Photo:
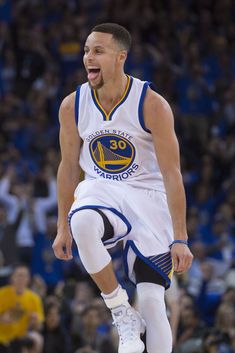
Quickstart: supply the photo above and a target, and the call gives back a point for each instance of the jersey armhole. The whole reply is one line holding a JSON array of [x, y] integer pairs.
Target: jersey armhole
[[76, 107], [141, 103]]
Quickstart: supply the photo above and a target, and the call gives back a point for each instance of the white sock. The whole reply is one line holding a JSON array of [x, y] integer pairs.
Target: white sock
[[112, 294], [153, 310], [116, 298]]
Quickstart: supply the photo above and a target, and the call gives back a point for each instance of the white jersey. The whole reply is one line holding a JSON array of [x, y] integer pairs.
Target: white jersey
[[117, 146]]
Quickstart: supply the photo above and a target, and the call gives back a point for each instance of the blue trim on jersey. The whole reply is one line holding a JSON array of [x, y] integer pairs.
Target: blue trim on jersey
[[114, 240], [141, 103], [97, 105], [108, 116], [131, 244], [77, 98], [123, 100]]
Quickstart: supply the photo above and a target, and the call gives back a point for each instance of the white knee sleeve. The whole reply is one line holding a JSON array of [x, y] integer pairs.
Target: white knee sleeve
[[153, 310], [88, 228]]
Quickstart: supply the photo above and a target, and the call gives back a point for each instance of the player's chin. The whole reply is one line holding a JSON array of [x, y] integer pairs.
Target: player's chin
[[96, 84]]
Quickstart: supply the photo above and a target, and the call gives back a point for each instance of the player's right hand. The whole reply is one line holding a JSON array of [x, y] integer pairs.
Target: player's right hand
[[62, 246]]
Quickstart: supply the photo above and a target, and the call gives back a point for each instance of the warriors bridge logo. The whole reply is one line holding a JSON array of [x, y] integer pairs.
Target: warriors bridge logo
[[113, 154]]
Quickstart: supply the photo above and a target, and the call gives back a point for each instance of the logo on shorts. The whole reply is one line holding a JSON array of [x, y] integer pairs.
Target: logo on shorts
[[112, 153]]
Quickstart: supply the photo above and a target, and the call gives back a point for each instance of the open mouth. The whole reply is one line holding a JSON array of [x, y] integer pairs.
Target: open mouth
[[93, 73]]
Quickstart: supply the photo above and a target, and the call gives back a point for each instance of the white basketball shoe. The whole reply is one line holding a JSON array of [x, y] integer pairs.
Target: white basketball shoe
[[130, 326]]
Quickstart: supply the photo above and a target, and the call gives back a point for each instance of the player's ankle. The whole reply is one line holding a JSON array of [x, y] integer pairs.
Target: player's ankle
[[116, 298]]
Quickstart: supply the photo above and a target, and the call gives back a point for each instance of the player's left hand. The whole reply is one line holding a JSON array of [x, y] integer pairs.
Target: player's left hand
[[182, 257]]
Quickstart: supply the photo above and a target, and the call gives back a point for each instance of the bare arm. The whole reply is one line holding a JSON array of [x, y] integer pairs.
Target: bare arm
[[159, 120], [68, 175]]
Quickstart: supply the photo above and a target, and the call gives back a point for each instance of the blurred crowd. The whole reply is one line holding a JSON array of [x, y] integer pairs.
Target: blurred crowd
[[187, 49]]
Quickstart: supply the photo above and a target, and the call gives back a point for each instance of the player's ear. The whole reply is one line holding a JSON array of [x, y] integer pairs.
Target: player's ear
[[123, 56]]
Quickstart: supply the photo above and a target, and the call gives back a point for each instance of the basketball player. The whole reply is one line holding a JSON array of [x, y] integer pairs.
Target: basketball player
[[121, 133]]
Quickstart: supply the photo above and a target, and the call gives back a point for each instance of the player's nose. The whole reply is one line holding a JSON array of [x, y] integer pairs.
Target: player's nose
[[89, 57]]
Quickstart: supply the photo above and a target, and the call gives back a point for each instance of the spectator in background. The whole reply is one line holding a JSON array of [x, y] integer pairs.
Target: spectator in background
[[38, 286], [225, 321], [190, 324], [195, 273], [229, 296], [186, 300], [90, 335], [21, 310], [17, 196], [25, 231], [5, 11], [32, 343], [8, 236], [220, 243], [86, 349], [44, 193], [83, 296], [55, 338], [44, 262], [211, 290], [215, 342], [7, 199], [230, 277], [27, 207], [5, 270]]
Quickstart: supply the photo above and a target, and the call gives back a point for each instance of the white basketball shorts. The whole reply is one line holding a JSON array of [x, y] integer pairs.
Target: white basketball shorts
[[140, 217]]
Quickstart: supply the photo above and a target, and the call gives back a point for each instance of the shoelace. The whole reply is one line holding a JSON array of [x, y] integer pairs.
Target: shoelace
[[126, 326]]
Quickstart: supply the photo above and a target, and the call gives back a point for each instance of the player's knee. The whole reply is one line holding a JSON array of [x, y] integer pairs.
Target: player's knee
[[86, 226]]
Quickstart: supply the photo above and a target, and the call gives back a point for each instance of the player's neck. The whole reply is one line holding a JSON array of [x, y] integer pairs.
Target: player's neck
[[112, 91]]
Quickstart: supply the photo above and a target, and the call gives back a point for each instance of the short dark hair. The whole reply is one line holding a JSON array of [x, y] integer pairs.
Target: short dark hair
[[18, 265], [120, 33]]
